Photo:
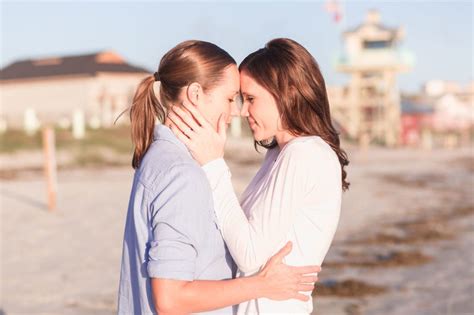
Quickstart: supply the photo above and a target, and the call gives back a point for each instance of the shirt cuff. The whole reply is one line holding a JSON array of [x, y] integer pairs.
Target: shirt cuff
[[214, 170], [171, 269]]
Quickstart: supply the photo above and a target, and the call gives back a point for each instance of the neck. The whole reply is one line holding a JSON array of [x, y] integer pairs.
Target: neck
[[167, 122], [283, 138]]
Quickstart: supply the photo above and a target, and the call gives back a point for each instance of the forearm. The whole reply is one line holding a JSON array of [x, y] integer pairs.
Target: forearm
[[251, 243], [209, 295], [243, 239], [206, 295]]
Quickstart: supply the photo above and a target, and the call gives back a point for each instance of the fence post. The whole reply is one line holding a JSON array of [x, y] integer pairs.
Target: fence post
[[50, 166]]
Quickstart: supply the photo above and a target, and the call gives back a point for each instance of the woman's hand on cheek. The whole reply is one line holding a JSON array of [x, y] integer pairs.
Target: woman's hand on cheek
[[204, 143]]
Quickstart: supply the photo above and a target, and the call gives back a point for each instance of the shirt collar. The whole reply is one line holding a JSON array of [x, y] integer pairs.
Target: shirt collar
[[162, 132]]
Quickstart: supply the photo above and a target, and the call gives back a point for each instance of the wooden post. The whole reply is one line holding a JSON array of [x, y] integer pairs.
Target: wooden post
[[50, 166]]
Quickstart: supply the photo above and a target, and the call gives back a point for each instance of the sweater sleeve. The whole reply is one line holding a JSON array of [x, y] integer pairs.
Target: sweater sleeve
[[250, 241]]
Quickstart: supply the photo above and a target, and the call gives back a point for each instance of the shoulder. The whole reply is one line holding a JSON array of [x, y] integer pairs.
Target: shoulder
[[181, 188], [165, 163], [310, 150], [314, 163], [310, 159]]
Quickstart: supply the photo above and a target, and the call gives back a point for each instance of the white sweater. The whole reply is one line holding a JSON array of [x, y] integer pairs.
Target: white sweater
[[295, 196]]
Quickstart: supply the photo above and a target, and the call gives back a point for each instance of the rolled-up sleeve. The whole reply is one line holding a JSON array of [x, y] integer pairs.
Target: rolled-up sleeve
[[178, 222]]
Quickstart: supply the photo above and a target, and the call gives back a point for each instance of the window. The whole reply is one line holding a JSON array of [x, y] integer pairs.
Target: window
[[376, 44]]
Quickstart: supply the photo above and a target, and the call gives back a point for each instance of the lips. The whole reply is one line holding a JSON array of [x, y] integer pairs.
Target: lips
[[252, 124]]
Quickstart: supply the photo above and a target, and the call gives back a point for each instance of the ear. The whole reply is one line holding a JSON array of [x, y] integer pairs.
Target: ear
[[194, 93]]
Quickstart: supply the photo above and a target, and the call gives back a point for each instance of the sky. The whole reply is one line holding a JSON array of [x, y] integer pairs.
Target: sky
[[439, 33]]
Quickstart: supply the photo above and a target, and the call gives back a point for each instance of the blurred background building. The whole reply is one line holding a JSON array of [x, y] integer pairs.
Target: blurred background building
[[441, 114], [52, 90]]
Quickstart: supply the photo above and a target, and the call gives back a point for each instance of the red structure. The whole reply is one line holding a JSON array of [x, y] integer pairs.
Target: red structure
[[415, 117]]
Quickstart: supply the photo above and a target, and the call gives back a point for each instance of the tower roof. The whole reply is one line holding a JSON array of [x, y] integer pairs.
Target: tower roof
[[372, 22]]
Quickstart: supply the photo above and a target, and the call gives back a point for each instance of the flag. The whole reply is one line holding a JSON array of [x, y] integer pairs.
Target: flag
[[335, 9]]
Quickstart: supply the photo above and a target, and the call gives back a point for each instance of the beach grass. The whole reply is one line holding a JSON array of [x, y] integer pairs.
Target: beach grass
[[116, 139]]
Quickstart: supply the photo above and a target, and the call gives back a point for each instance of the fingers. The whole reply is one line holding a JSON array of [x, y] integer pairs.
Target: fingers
[[186, 117], [180, 135], [183, 127], [301, 297], [283, 252], [196, 113], [309, 279], [305, 287], [307, 269]]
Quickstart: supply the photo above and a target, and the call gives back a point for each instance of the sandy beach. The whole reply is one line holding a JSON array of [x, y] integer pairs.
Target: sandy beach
[[403, 246]]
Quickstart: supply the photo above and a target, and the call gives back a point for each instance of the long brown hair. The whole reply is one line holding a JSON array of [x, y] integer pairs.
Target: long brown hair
[[188, 62], [291, 74]]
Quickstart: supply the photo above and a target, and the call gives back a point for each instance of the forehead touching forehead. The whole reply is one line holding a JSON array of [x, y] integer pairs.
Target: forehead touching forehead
[[232, 76], [229, 82]]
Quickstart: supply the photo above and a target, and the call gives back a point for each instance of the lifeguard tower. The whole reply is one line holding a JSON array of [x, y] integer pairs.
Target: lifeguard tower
[[370, 107]]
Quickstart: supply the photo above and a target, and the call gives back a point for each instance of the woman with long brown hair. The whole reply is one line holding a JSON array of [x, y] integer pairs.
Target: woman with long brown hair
[[174, 259], [296, 194]]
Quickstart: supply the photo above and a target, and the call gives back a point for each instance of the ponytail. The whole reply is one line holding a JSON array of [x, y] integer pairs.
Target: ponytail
[[143, 114]]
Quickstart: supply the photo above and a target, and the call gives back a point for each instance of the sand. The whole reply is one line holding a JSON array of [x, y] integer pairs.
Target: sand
[[385, 258]]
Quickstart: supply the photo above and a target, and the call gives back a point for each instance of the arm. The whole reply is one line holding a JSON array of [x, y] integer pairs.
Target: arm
[[184, 297], [252, 242], [276, 281]]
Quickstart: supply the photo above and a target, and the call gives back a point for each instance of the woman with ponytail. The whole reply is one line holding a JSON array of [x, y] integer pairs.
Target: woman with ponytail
[[296, 194], [174, 259]]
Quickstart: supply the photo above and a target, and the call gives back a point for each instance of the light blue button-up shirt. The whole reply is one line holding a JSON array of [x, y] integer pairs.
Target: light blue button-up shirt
[[170, 232]]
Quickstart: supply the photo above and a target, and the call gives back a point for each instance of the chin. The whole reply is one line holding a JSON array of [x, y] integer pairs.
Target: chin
[[257, 137], [260, 135], [260, 138]]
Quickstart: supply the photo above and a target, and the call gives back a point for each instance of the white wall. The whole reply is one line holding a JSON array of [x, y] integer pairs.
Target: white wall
[[54, 99]]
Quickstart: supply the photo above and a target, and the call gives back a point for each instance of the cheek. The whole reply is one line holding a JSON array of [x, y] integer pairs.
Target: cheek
[[208, 110], [266, 117], [216, 107], [223, 106], [218, 102], [226, 107]]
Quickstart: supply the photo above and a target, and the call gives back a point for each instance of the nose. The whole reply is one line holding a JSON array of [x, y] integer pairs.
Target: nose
[[244, 112]]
